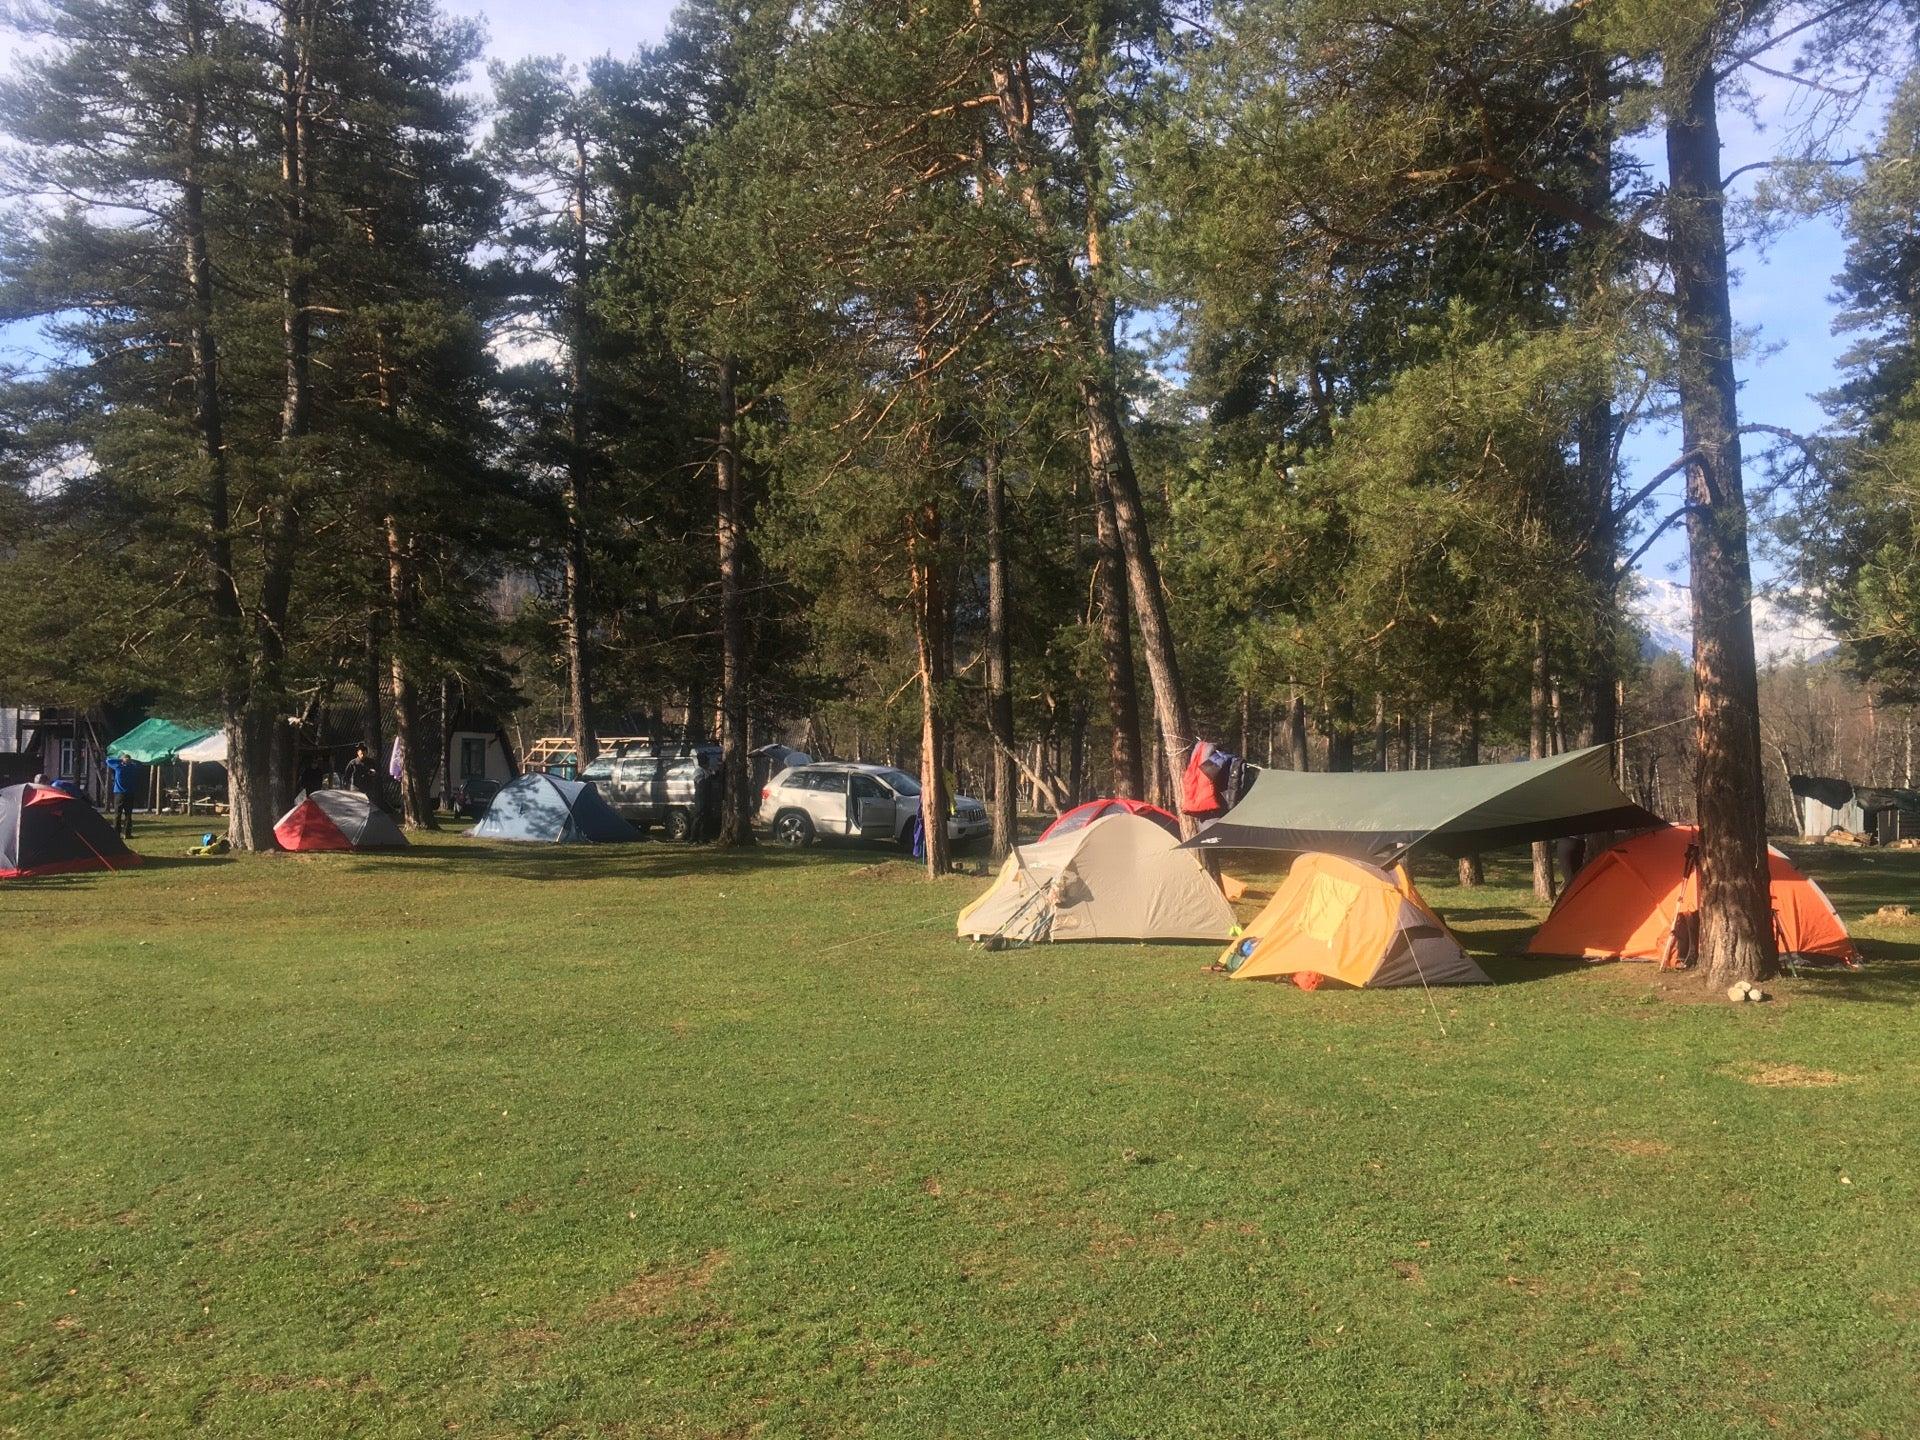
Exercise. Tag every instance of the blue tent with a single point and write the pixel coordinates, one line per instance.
(546, 809)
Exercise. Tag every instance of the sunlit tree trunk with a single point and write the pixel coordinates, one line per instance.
(929, 616)
(1736, 932)
(1000, 665)
(576, 496)
(1472, 871)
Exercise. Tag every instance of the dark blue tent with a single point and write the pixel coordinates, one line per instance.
(549, 810)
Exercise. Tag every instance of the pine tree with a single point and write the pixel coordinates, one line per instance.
(573, 146)
(1465, 104)
(1859, 527)
(261, 185)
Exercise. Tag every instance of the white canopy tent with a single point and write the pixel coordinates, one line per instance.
(210, 751)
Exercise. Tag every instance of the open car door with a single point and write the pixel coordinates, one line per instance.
(872, 809)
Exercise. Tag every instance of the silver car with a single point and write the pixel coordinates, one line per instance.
(665, 786)
(845, 801)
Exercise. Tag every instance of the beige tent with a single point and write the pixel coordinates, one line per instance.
(1121, 878)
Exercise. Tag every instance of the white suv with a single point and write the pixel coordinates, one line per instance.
(844, 801)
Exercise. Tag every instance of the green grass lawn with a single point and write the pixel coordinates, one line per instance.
(644, 1141)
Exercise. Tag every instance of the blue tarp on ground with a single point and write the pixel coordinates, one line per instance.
(548, 810)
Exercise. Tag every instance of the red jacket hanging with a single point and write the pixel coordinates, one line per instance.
(1199, 789)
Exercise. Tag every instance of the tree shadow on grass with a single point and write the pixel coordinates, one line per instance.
(1502, 952)
(644, 860)
(86, 879)
(1859, 882)
(1514, 969)
(1889, 975)
(183, 862)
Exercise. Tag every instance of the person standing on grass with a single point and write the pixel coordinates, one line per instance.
(360, 775)
(121, 770)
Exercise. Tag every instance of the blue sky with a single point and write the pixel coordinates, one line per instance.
(1781, 292)
(578, 29)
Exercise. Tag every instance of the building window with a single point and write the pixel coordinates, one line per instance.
(63, 758)
(473, 758)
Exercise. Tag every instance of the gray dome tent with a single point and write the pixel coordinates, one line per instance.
(544, 809)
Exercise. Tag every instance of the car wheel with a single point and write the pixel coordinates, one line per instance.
(679, 826)
(792, 829)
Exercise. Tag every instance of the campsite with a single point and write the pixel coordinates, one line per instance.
(736, 721)
(519, 1139)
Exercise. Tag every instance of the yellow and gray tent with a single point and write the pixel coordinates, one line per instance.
(1351, 922)
(1120, 878)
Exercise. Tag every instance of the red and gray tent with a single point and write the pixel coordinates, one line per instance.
(337, 820)
(1080, 816)
(44, 831)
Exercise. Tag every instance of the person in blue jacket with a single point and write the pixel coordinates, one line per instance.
(124, 778)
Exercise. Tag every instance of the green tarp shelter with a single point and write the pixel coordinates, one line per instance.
(1382, 814)
(157, 741)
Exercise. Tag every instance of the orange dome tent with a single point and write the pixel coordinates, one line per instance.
(1624, 904)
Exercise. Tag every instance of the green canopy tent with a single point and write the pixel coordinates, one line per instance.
(156, 742)
(1379, 816)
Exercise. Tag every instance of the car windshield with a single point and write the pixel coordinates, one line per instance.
(901, 782)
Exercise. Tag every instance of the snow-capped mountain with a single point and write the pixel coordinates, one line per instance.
(1781, 632)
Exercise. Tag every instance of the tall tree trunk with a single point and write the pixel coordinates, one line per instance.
(1602, 557)
(1297, 753)
(1472, 871)
(372, 730)
(1736, 932)
(1107, 448)
(1595, 438)
(261, 783)
(577, 495)
(1380, 761)
(209, 423)
(443, 752)
(416, 756)
(1077, 753)
(929, 618)
(1006, 812)
(1340, 732)
(1601, 560)
(736, 788)
(403, 613)
(1540, 745)
(1076, 295)
(1115, 615)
